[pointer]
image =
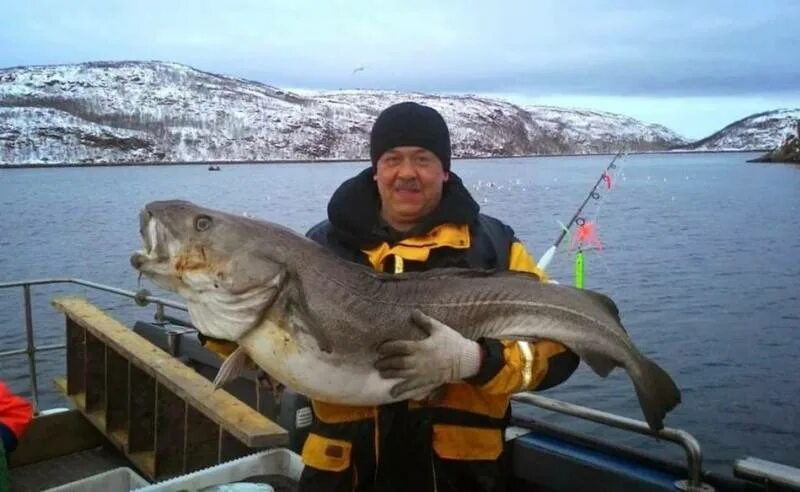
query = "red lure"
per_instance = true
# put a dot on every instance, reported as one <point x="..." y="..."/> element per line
<point x="607" y="179"/>
<point x="586" y="236"/>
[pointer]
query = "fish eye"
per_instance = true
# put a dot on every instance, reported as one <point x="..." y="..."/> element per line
<point x="202" y="223"/>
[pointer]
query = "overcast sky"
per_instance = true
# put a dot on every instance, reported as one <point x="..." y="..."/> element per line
<point x="693" y="66"/>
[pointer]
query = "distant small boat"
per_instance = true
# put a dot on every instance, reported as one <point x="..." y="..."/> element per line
<point x="213" y="168"/>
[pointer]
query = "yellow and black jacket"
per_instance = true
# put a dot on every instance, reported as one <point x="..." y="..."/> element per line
<point x="456" y="443"/>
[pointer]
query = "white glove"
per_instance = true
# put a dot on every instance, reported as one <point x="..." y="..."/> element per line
<point x="443" y="357"/>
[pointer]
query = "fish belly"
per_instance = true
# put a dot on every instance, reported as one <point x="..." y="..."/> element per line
<point x="313" y="373"/>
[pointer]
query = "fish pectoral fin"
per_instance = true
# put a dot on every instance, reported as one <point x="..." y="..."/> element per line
<point x="245" y="274"/>
<point x="600" y="364"/>
<point x="232" y="367"/>
<point x="302" y="320"/>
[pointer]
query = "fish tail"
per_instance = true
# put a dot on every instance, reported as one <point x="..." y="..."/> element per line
<point x="657" y="393"/>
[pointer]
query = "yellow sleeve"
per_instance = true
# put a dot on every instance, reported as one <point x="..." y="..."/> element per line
<point x="526" y="365"/>
<point x="520" y="261"/>
<point x="223" y="348"/>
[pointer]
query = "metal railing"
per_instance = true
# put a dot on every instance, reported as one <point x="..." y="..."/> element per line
<point x="142" y="298"/>
<point x="694" y="456"/>
<point x="767" y="473"/>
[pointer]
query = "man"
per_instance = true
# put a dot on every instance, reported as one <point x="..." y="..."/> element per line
<point x="409" y="212"/>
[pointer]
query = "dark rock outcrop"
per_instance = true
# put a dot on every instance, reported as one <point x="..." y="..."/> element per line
<point x="788" y="152"/>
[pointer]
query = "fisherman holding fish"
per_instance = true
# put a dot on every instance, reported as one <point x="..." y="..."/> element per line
<point x="400" y="318"/>
<point x="410" y="212"/>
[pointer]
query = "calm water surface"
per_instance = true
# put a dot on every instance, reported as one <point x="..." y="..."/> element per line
<point x="701" y="254"/>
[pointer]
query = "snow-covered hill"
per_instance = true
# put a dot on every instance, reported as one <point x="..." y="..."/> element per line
<point x="165" y="112"/>
<point x="587" y="131"/>
<point x="761" y="131"/>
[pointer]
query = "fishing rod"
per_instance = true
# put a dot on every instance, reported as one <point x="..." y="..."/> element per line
<point x="547" y="257"/>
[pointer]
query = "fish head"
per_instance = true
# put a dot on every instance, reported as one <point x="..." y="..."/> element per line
<point x="211" y="259"/>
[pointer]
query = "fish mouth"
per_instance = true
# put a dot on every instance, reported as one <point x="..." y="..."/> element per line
<point x="154" y="258"/>
<point x="166" y="261"/>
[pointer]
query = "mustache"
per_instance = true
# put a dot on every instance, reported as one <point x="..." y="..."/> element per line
<point x="407" y="185"/>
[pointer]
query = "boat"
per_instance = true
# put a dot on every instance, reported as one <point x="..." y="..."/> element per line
<point x="214" y="168"/>
<point x="141" y="417"/>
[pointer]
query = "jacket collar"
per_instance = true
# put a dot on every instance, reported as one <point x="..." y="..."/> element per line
<point x="354" y="212"/>
<point x="418" y="248"/>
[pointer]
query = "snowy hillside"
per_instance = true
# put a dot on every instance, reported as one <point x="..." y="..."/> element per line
<point x="165" y="112"/>
<point x="585" y="131"/>
<point x="762" y="131"/>
<point x="180" y="114"/>
<point x="479" y="127"/>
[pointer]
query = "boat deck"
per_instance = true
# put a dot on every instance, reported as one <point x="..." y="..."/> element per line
<point x="64" y="469"/>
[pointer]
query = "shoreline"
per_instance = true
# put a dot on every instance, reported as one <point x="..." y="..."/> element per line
<point x="326" y="161"/>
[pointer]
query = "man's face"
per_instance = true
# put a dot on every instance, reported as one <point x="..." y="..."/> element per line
<point x="410" y="182"/>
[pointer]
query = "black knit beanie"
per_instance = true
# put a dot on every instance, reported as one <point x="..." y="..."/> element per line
<point x="410" y="124"/>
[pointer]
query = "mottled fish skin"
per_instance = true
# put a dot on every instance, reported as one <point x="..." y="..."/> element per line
<point x="314" y="321"/>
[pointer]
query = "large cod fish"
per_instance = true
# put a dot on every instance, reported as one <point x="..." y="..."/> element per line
<point x="313" y="321"/>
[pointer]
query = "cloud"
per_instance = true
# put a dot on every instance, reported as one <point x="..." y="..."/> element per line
<point x="618" y="47"/>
